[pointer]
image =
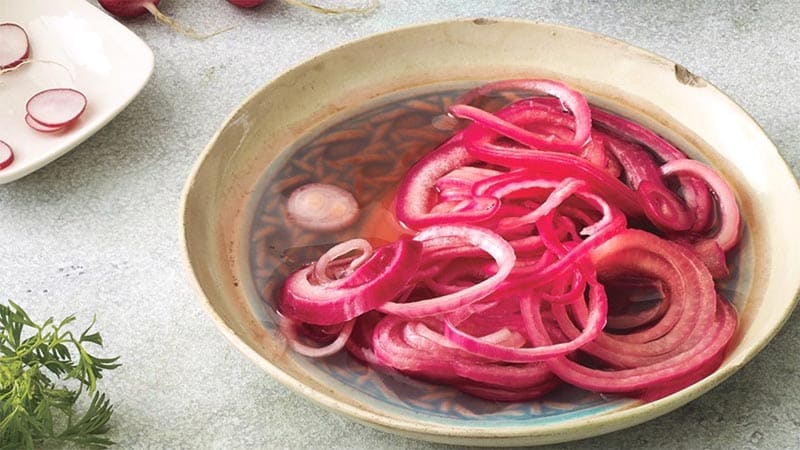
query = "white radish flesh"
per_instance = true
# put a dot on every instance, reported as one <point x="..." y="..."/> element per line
<point x="14" y="45"/>
<point x="56" y="107"/>
<point x="40" y="126"/>
<point x="6" y="155"/>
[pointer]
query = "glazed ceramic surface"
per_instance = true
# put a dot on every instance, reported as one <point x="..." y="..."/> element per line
<point x="218" y="211"/>
<point x="76" y="46"/>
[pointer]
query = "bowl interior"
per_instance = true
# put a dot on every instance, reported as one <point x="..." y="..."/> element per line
<point x="224" y="200"/>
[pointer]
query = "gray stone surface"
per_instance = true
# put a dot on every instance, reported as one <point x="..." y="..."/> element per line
<point x="96" y="231"/>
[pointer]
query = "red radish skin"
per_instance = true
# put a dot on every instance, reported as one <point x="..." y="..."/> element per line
<point x="246" y="3"/>
<point x="6" y="155"/>
<point x="127" y="9"/>
<point x="40" y="126"/>
<point x="14" y="45"/>
<point x="56" y="107"/>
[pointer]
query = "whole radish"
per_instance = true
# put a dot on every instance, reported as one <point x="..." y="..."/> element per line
<point x="246" y="3"/>
<point x="129" y="8"/>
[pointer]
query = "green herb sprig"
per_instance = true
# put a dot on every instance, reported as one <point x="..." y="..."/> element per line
<point x="34" y="410"/>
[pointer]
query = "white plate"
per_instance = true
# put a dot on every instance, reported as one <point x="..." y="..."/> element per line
<point x="95" y="54"/>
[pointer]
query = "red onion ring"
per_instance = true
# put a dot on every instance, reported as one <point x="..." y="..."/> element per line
<point x="500" y="293"/>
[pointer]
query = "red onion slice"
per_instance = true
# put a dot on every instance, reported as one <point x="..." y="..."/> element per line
<point x="661" y="205"/>
<point x="416" y="195"/>
<point x="555" y="165"/>
<point x="728" y="234"/>
<point x="523" y="217"/>
<point x="569" y="98"/>
<point x="422" y="357"/>
<point x="289" y="330"/>
<point x="389" y="269"/>
<point x="696" y="195"/>
<point x="323" y="264"/>
<point x="560" y="192"/>
<point x="704" y="351"/>
<point x="531" y="308"/>
<point x="686" y="280"/>
<point x="497" y="247"/>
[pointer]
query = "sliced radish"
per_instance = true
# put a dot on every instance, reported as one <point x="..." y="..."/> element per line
<point x="56" y="107"/>
<point x="14" y="45"/>
<point x="40" y="126"/>
<point x="6" y="155"/>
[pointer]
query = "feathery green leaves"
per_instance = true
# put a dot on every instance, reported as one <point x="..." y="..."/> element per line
<point x="33" y="408"/>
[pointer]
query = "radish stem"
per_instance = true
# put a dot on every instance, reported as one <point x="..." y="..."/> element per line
<point x="371" y="6"/>
<point x="177" y="26"/>
<point x="30" y="61"/>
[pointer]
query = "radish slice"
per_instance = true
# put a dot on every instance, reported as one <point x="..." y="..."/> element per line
<point x="40" y="126"/>
<point x="56" y="107"/>
<point x="14" y="45"/>
<point x="6" y="155"/>
<point x="322" y="207"/>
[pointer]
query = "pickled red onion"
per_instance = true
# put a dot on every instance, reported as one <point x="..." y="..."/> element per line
<point x="501" y="292"/>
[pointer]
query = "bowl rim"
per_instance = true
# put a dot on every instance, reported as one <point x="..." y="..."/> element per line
<point x="522" y="434"/>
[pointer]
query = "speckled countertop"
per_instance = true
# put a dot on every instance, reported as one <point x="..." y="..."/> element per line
<point x="96" y="231"/>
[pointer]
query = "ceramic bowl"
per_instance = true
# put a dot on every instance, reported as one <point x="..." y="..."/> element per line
<point x="218" y="212"/>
